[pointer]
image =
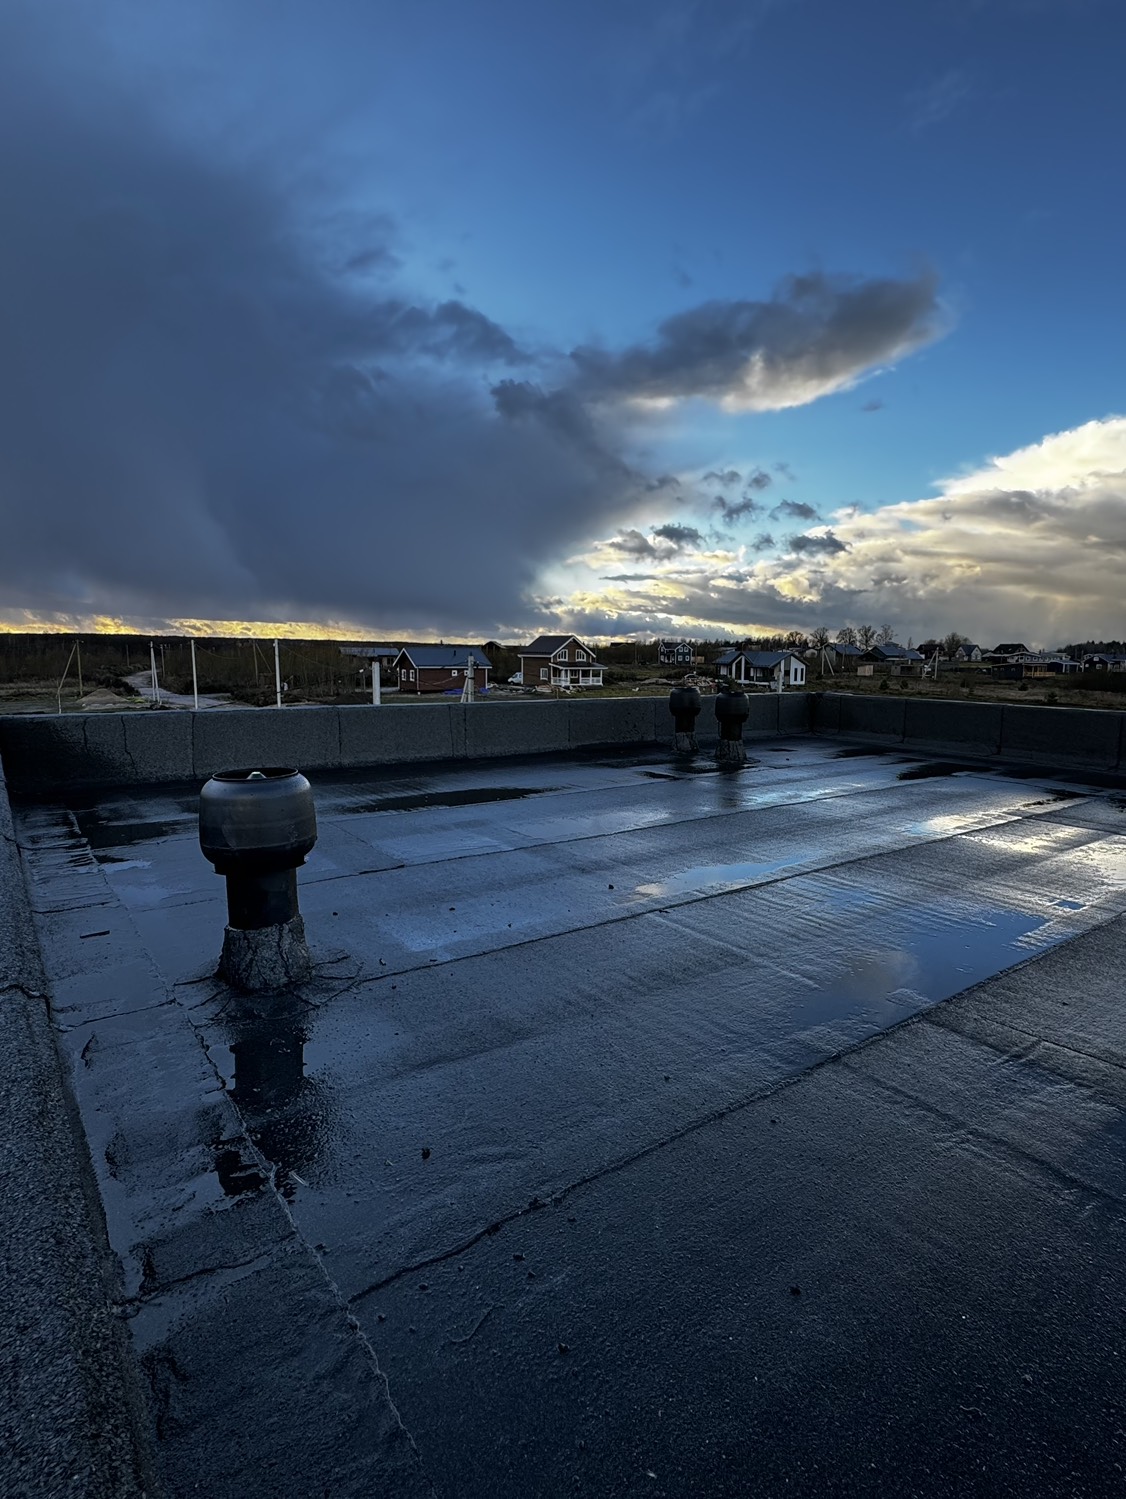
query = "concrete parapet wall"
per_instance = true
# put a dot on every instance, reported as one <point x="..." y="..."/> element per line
<point x="953" y="726"/>
<point x="875" y="718"/>
<point x="139" y="747"/>
<point x="1069" y="736"/>
<point x="1077" y="738"/>
<point x="39" y="753"/>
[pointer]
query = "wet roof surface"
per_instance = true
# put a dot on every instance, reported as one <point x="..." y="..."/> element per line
<point x="555" y="1118"/>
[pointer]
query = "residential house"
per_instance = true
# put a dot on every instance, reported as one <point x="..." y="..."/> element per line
<point x="676" y="653"/>
<point x="440" y="668"/>
<point x="1008" y="651"/>
<point x="762" y="668"/>
<point x="842" y="657"/>
<point x="1045" y="663"/>
<point x="892" y="660"/>
<point x="559" y="661"/>
<point x="1102" y="661"/>
<point x="968" y="652"/>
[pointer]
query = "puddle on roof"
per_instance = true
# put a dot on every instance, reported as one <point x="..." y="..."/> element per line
<point x="855" y="750"/>
<point x="706" y="879"/>
<point x="688" y="768"/>
<point x="945" y="954"/>
<point x="101" y="834"/>
<point x="932" y="768"/>
<point x="474" y="797"/>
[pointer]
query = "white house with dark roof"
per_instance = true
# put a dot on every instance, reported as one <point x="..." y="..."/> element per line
<point x="762" y="668"/>
<point x="559" y="661"/>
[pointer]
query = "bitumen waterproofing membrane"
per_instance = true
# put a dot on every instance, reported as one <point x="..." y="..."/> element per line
<point x="630" y="1138"/>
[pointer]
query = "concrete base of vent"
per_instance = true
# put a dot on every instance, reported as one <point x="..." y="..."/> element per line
<point x="265" y="960"/>
<point x="686" y="744"/>
<point x="731" y="752"/>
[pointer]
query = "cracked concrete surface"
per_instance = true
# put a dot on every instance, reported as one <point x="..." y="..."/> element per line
<point x="628" y="1138"/>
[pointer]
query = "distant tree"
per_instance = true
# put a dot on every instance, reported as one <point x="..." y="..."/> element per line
<point x="846" y="635"/>
<point x="885" y="634"/>
<point x="866" y="636"/>
<point x="795" y="641"/>
<point x="910" y="643"/>
<point x="819" y="638"/>
<point x="950" y="644"/>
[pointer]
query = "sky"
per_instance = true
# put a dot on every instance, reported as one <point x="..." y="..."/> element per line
<point x="627" y="317"/>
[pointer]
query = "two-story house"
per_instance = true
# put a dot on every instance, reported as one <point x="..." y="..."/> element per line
<point x="676" y="653"/>
<point x="559" y="661"/>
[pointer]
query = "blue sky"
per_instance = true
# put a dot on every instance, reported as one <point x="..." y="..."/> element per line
<point x="574" y="175"/>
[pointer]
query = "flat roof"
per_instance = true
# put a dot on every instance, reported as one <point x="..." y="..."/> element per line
<point x="632" y="1118"/>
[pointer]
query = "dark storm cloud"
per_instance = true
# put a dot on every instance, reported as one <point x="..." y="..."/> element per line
<point x="759" y="479"/>
<point x="826" y="545"/>
<point x="678" y="536"/>
<point x="793" y="510"/>
<point x="203" y="413"/>
<point x="632" y="544"/>
<point x="816" y="334"/>
<point x="218" y="400"/>
<point x="731" y="511"/>
<point x="762" y="542"/>
<point x="726" y="476"/>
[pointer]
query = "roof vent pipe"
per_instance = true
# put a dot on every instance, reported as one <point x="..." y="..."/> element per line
<point x="731" y="709"/>
<point x="684" y="705"/>
<point x="256" y="826"/>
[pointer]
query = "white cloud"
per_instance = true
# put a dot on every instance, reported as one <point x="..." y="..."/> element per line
<point x="1030" y="545"/>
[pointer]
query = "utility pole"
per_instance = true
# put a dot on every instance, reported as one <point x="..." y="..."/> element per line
<point x="277" y="672"/>
<point x="78" y="649"/>
<point x="155" y="683"/>
<point x="62" y="679"/>
<point x="195" y="679"/>
<point x="376" y="684"/>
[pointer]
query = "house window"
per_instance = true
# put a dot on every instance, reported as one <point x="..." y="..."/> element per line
<point x="543" y="673"/>
<point x="580" y="655"/>
<point x="455" y="671"/>
<point x="412" y="676"/>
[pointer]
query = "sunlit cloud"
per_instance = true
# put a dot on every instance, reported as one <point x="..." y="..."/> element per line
<point x="1027" y="545"/>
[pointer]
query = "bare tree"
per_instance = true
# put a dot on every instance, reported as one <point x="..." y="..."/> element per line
<point x="846" y="635"/>
<point x="866" y="636"/>
<point x="819" y="638"/>
<point x="886" y="635"/>
<point x="950" y="644"/>
<point x="795" y="641"/>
